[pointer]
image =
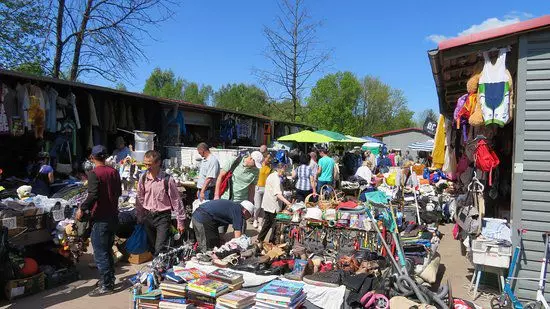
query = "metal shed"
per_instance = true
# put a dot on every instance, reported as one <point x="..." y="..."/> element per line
<point x="402" y="138"/>
<point x="530" y="60"/>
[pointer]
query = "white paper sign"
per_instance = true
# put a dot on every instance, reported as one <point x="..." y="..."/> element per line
<point x="17" y="291"/>
<point x="10" y="223"/>
<point x="58" y="215"/>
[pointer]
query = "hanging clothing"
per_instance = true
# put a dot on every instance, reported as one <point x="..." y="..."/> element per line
<point x="449" y="167"/>
<point x="93" y="121"/>
<point x="24" y="102"/>
<point x="438" y="153"/>
<point x="494" y="90"/>
<point x="71" y="98"/>
<point x="51" y="112"/>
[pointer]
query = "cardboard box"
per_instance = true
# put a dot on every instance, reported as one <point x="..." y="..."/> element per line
<point x="140" y="258"/>
<point x="22" y="287"/>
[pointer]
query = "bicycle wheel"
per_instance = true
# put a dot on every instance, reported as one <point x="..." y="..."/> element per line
<point x="501" y="302"/>
<point x="532" y="305"/>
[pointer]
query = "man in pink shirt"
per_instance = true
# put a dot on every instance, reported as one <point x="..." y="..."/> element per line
<point x="157" y="198"/>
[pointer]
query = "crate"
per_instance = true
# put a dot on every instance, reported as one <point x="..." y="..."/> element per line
<point x="23" y="287"/>
<point x="140" y="258"/>
<point x="491" y="254"/>
<point x="17" y="225"/>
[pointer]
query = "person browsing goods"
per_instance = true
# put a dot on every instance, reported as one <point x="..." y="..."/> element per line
<point x="157" y="198"/>
<point x="243" y="180"/>
<point x="208" y="173"/>
<point x="325" y="170"/>
<point x="101" y="207"/>
<point x="213" y="214"/>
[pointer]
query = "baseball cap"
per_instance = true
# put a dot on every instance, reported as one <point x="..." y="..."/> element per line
<point x="248" y="206"/>
<point x="258" y="158"/>
<point x="99" y="151"/>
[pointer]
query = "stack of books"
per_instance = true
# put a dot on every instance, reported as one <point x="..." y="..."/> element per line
<point x="204" y="291"/>
<point x="280" y="294"/>
<point x="149" y="300"/>
<point x="188" y="274"/>
<point x="233" y="279"/>
<point x="173" y="291"/>
<point x="236" y="300"/>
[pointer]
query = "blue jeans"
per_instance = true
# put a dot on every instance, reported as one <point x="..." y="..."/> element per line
<point x="103" y="238"/>
<point x="208" y="193"/>
<point x="322" y="183"/>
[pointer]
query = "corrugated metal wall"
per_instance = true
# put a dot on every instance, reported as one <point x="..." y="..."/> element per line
<point x="531" y="180"/>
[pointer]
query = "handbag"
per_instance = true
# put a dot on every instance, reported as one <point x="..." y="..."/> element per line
<point x="137" y="243"/>
<point x="227" y="180"/>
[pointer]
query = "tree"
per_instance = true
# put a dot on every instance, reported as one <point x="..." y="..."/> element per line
<point x="333" y="102"/>
<point x="104" y="37"/>
<point x="381" y="108"/>
<point x="427" y="113"/>
<point x="283" y="111"/>
<point x="121" y="86"/>
<point x="22" y="29"/>
<point x="293" y="51"/>
<point x="242" y="98"/>
<point x="197" y="95"/>
<point x="33" y="68"/>
<point x="164" y="84"/>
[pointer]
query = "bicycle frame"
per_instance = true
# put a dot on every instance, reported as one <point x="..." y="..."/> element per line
<point x="542" y="282"/>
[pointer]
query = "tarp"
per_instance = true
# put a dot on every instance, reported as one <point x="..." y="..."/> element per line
<point x="371" y="139"/>
<point x="354" y="139"/>
<point x="422" y="146"/>
<point x="306" y="136"/>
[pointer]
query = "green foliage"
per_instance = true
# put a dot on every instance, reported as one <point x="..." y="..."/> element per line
<point x="342" y="103"/>
<point x="428" y="113"/>
<point x="197" y="95"/>
<point x="33" y="68"/>
<point x="121" y="86"/>
<point x="22" y="29"/>
<point x="242" y="98"/>
<point x="164" y="84"/>
<point x="332" y="102"/>
<point x="283" y="111"/>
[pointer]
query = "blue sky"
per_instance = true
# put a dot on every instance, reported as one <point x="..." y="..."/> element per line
<point x="219" y="42"/>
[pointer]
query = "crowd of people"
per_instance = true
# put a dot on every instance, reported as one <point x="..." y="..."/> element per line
<point x="248" y="187"/>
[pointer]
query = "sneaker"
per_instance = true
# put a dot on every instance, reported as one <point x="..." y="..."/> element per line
<point x="328" y="279"/>
<point x="100" y="291"/>
<point x="255" y="224"/>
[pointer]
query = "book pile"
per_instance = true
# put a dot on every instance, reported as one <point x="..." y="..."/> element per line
<point x="173" y="291"/>
<point x="233" y="279"/>
<point x="280" y="294"/>
<point x="149" y="300"/>
<point x="236" y="300"/>
<point x="204" y="291"/>
<point x="188" y="274"/>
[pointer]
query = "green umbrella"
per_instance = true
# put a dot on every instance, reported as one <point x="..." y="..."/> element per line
<point x="306" y="136"/>
<point x="334" y="135"/>
<point x="354" y="139"/>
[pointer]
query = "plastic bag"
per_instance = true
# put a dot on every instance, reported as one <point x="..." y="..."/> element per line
<point x="137" y="243"/>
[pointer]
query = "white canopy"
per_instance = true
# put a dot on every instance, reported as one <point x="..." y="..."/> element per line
<point x="422" y="146"/>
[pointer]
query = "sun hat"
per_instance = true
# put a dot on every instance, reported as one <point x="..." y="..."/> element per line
<point x="258" y="158"/>
<point x="248" y="206"/>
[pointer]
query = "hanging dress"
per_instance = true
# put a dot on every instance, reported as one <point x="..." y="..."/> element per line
<point x="494" y="90"/>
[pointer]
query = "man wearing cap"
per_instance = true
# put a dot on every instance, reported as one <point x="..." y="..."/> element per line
<point x="244" y="179"/>
<point x="101" y="206"/>
<point x="213" y="214"/>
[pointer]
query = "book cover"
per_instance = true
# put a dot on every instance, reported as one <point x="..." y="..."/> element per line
<point x="170" y="275"/>
<point x="208" y="285"/>
<point x="167" y="286"/>
<point x="171" y="295"/>
<point x="279" y="290"/>
<point x="226" y="275"/>
<point x="201" y="298"/>
<point x="237" y="297"/>
<point x="188" y="274"/>
<point x="236" y="286"/>
<point x="206" y="293"/>
<point x="174" y="300"/>
<point x="278" y="304"/>
<point x="247" y="304"/>
<point x="154" y="294"/>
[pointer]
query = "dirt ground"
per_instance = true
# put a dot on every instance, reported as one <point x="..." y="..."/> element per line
<point x="454" y="267"/>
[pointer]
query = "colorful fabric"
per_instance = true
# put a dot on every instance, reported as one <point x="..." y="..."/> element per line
<point x="494" y="90"/>
<point x="438" y="154"/>
<point x="262" y="176"/>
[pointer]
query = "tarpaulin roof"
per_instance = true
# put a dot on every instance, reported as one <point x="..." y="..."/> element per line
<point x="306" y="136"/>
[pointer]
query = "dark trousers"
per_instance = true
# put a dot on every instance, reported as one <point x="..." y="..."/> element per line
<point x="103" y="239"/>
<point x="301" y="195"/>
<point x="269" y="222"/>
<point x="157" y="226"/>
<point x="320" y="184"/>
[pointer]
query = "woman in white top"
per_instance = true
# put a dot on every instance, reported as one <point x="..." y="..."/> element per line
<point x="270" y="202"/>
<point x="365" y="171"/>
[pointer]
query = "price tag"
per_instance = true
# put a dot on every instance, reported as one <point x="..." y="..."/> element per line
<point x="10" y="223"/>
<point x="58" y="215"/>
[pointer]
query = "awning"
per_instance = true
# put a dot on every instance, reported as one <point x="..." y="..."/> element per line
<point x="422" y="146"/>
<point x="306" y="136"/>
<point x="354" y="139"/>
<point x="371" y="139"/>
<point x="334" y="135"/>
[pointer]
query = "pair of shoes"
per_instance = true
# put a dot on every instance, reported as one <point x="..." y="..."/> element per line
<point x="255" y="224"/>
<point x="232" y="259"/>
<point x="203" y="259"/>
<point x="101" y="291"/>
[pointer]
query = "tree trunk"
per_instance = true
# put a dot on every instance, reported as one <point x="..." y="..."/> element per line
<point x="58" y="39"/>
<point x="79" y="40"/>
<point x="295" y="62"/>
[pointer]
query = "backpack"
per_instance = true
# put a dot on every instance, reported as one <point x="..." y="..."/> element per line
<point x="486" y="159"/>
<point x="166" y="181"/>
<point x="227" y="180"/>
<point x="280" y="157"/>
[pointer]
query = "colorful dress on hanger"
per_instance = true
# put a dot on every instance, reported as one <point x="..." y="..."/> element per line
<point x="494" y="90"/>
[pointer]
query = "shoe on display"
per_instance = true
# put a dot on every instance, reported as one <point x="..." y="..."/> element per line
<point x="329" y="279"/>
<point x="100" y="291"/>
<point x="298" y="271"/>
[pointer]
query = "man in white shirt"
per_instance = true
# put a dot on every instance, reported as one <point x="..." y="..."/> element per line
<point x="208" y="173"/>
<point x="270" y="202"/>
